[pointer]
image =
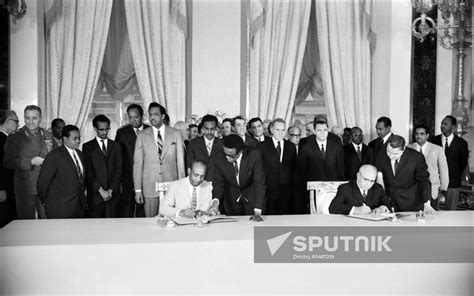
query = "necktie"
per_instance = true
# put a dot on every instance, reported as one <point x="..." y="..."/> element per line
<point x="395" y="166"/>
<point x="421" y="150"/>
<point x="136" y="131"/>
<point x="364" y="194"/>
<point x="359" y="154"/>
<point x="279" y="150"/>
<point x="160" y="144"/>
<point x="236" y="168"/>
<point x="208" y="146"/>
<point x="446" y="146"/>
<point x="322" y="151"/>
<point x="104" y="149"/>
<point x="79" y="171"/>
<point x="194" y="199"/>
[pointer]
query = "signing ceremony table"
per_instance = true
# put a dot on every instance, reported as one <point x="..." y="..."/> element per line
<point x="134" y="256"/>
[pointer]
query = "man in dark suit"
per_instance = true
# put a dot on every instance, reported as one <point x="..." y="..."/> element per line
<point x="310" y="130"/>
<point x="383" y="128"/>
<point x="57" y="126"/>
<point x="104" y="169"/>
<point x="318" y="160"/>
<point x="25" y="150"/>
<point x="126" y="137"/>
<point x="61" y="182"/>
<point x="205" y="148"/>
<point x="405" y="177"/>
<point x="279" y="163"/>
<point x="8" y="124"/>
<point x="238" y="181"/>
<point x="294" y="136"/>
<point x="457" y="154"/>
<point x="361" y="195"/>
<point x="356" y="154"/>
<point x="256" y="127"/>
<point x="240" y="128"/>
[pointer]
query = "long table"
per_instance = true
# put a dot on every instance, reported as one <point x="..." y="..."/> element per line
<point x="135" y="256"/>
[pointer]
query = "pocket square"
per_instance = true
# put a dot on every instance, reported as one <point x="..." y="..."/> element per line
<point x="174" y="143"/>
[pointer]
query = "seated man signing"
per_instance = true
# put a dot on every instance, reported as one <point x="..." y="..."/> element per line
<point x="191" y="195"/>
<point x="361" y="196"/>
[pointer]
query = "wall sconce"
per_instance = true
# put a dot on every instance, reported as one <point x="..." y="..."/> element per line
<point x="17" y="8"/>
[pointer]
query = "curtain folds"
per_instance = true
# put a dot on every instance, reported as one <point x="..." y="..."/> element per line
<point x="75" y="44"/>
<point x="276" y="55"/>
<point x="344" y="38"/>
<point x="157" y="37"/>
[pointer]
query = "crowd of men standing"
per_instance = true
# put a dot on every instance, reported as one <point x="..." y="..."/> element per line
<point x="232" y="168"/>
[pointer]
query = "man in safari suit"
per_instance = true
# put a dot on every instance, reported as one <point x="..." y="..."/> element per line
<point x="158" y="157"/>
<point x="25" y="151"/>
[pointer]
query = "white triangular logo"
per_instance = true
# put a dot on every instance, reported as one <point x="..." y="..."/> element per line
<point x="275" y="243"/>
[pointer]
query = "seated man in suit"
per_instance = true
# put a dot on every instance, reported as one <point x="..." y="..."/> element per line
<point x="61" y="182"/>
<point x="436" y="161"/>
<point x="240" y="128"/>
<point x="361" y="196"/>
<point x="356" y="153"/>
<point x="191" y="194"/>
<point x="238" y="181"/>
<point x="405" y="176"/>
<point x="104" y="171"/>
<point x="207" y="147"/>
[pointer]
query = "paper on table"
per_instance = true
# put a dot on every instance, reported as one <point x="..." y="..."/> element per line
<point x="373" y="217"/>
<point x="204" y="219"/>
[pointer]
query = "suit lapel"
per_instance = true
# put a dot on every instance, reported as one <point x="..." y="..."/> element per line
<point x="149" y="140"/>
<point x="356" y="192"/>
<point x="402" y="162"/>
<point x="70" y="161"/>
<point x="215" y="146"/>
<point x="243" y="166"/>
<point x="167" y="141"/>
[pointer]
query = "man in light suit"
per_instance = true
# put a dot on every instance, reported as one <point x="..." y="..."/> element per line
<point x="126" y="137"/>
<point x="61" y="182"/>
<point x="205" y="148"/>
<point x="191" y="194"/>
<point x="158" y="157"/>
<point x="436" y="161"/>
<point x="457" y="154"/>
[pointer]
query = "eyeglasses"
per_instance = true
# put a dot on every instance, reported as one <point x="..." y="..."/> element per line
<point x="295" y="135"/>
<point x="232" y="156"/>
<point x="104" y="129"/>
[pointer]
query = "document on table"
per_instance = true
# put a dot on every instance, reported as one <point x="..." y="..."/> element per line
<point x="204" y="220"/>
<point x="373" y="217"/>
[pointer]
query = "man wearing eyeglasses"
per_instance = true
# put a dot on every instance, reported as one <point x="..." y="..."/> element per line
<point x="104" y="169"/>
<point x="205" y="148"/>
<point x="294" y="135"/>
<point x="238" y="179"/>
<point x="361" y="196"/>
<point x="8" y="124"/>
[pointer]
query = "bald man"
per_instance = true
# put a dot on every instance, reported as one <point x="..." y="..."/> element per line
<point x="361" y="196"/>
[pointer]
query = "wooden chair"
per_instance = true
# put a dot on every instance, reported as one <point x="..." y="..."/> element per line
<point x="321" y="194"/>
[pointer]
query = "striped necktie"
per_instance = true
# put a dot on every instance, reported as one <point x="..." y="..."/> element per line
<point x="160" y="144"/>
<point x="194" y="199"/>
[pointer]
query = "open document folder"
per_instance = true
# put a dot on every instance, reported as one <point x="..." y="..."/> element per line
<point x="373" y="217"/>
<point x="204" y="219"/>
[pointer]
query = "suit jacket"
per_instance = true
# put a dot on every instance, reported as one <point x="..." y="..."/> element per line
<point x="251" y="186"/>
<point x="149" y="169"/>
<point x="331" y="137"/>
<point x="250" y="141"/>
<point x="348" y="195"/>
<point x="456" y="155"/>
<point x="410" y="187"/>
<point x="437" y="166"/>
<point x="375" y="146"/>
<point x="6" y="175"/>
<point x="278" y="175"/>
<point x="102" y="171"/>
<point x="313" y="167"/>
<point x="352" y="163"/>
<point x="178" y="197"/>
<point x="126" y="137"/>
<point x="59" y="185"/>
<point x="197" y="150"/>
<point x="22" y="146"/>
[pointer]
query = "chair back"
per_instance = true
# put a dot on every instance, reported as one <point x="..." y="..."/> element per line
<point x="321" y="195"/>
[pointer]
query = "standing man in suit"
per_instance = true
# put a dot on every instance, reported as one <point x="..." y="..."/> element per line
<point x="25" y="151"/>
<point x="57" y="126"/>
<point x="61" y="182"/>
<point x="279" y="163"/>
<point x="356" y="153"/>
<point x="256" y="126"/>
<point x="205" y="148"/>
<point x="310" y="130"/>
<point x="159" y="157"/>
<point x="239" y="127"/>
<point x="361" y="195"/>
<point x="436" y="161"/>
<point x="383" y="128"/>
<point x="104" y="170"/>
<point x="226" y="127"/>
<point x="405" y="177"/>
<point x="8" y="124"/>
<point x="294" y="136"/>
<point x="239" y="180"/>
<point x="318" y="160"/>
<point x="190" y="195"/>
<point x="457" y="153"/>
<point x="126" y="137"/>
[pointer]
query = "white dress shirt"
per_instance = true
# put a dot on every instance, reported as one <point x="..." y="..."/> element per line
<point x="209" y="144"/>
<point x="386" y="137"/>
<point x="322" y="143"/>
<point x="72" y="153"/>
<point x="99" y="141"/>
<point x="162" y="133"/>
<point x="450" y="140"/>
<point x="275" y="143"/>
